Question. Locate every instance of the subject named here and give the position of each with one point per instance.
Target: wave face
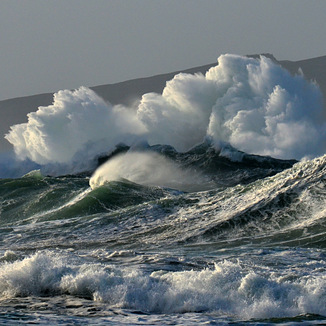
(253, 104)
(163, 218)
(121, 251)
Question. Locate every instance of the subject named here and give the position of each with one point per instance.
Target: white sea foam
(228, 289)
(265, 110)
(253, 104)
(78, 125)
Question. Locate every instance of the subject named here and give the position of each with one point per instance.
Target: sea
(167, 231)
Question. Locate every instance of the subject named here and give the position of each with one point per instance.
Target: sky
(48, 45)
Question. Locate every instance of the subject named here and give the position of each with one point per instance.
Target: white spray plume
(265, 110)
(253, 104)
(180, 116)
(149, 169)
(76, 121)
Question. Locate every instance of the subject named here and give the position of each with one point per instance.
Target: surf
(205, 203)
(252, 104)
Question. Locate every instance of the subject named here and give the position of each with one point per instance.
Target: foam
(265, 110)
(228, 288)
(78, 125)
(180, 115)
(253, 104)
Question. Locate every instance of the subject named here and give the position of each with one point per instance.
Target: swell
(287, 209)
(284, 209)
(68, 196)
(30, 199)
(31, 196)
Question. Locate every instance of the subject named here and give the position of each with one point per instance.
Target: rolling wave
(170, 209)
(286, 208)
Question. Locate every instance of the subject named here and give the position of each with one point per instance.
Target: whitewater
(204, 204)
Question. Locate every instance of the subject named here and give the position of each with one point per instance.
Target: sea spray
(180, 115)
(265, 110)
(78, 125)
(150, 169)
(253, 104)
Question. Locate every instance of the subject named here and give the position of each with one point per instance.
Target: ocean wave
(286, 209)
(35, 198)
(151, 169)
(228, 288)
(253, 104)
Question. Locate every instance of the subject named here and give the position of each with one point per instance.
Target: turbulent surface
(176, 225)
(133, 254)
(253, 104)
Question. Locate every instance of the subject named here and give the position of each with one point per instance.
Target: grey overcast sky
(47, 45)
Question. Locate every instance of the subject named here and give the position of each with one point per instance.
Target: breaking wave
(250, 293)
(253, 104)
(150, 169)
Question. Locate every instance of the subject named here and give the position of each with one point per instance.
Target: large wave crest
(253, 104)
